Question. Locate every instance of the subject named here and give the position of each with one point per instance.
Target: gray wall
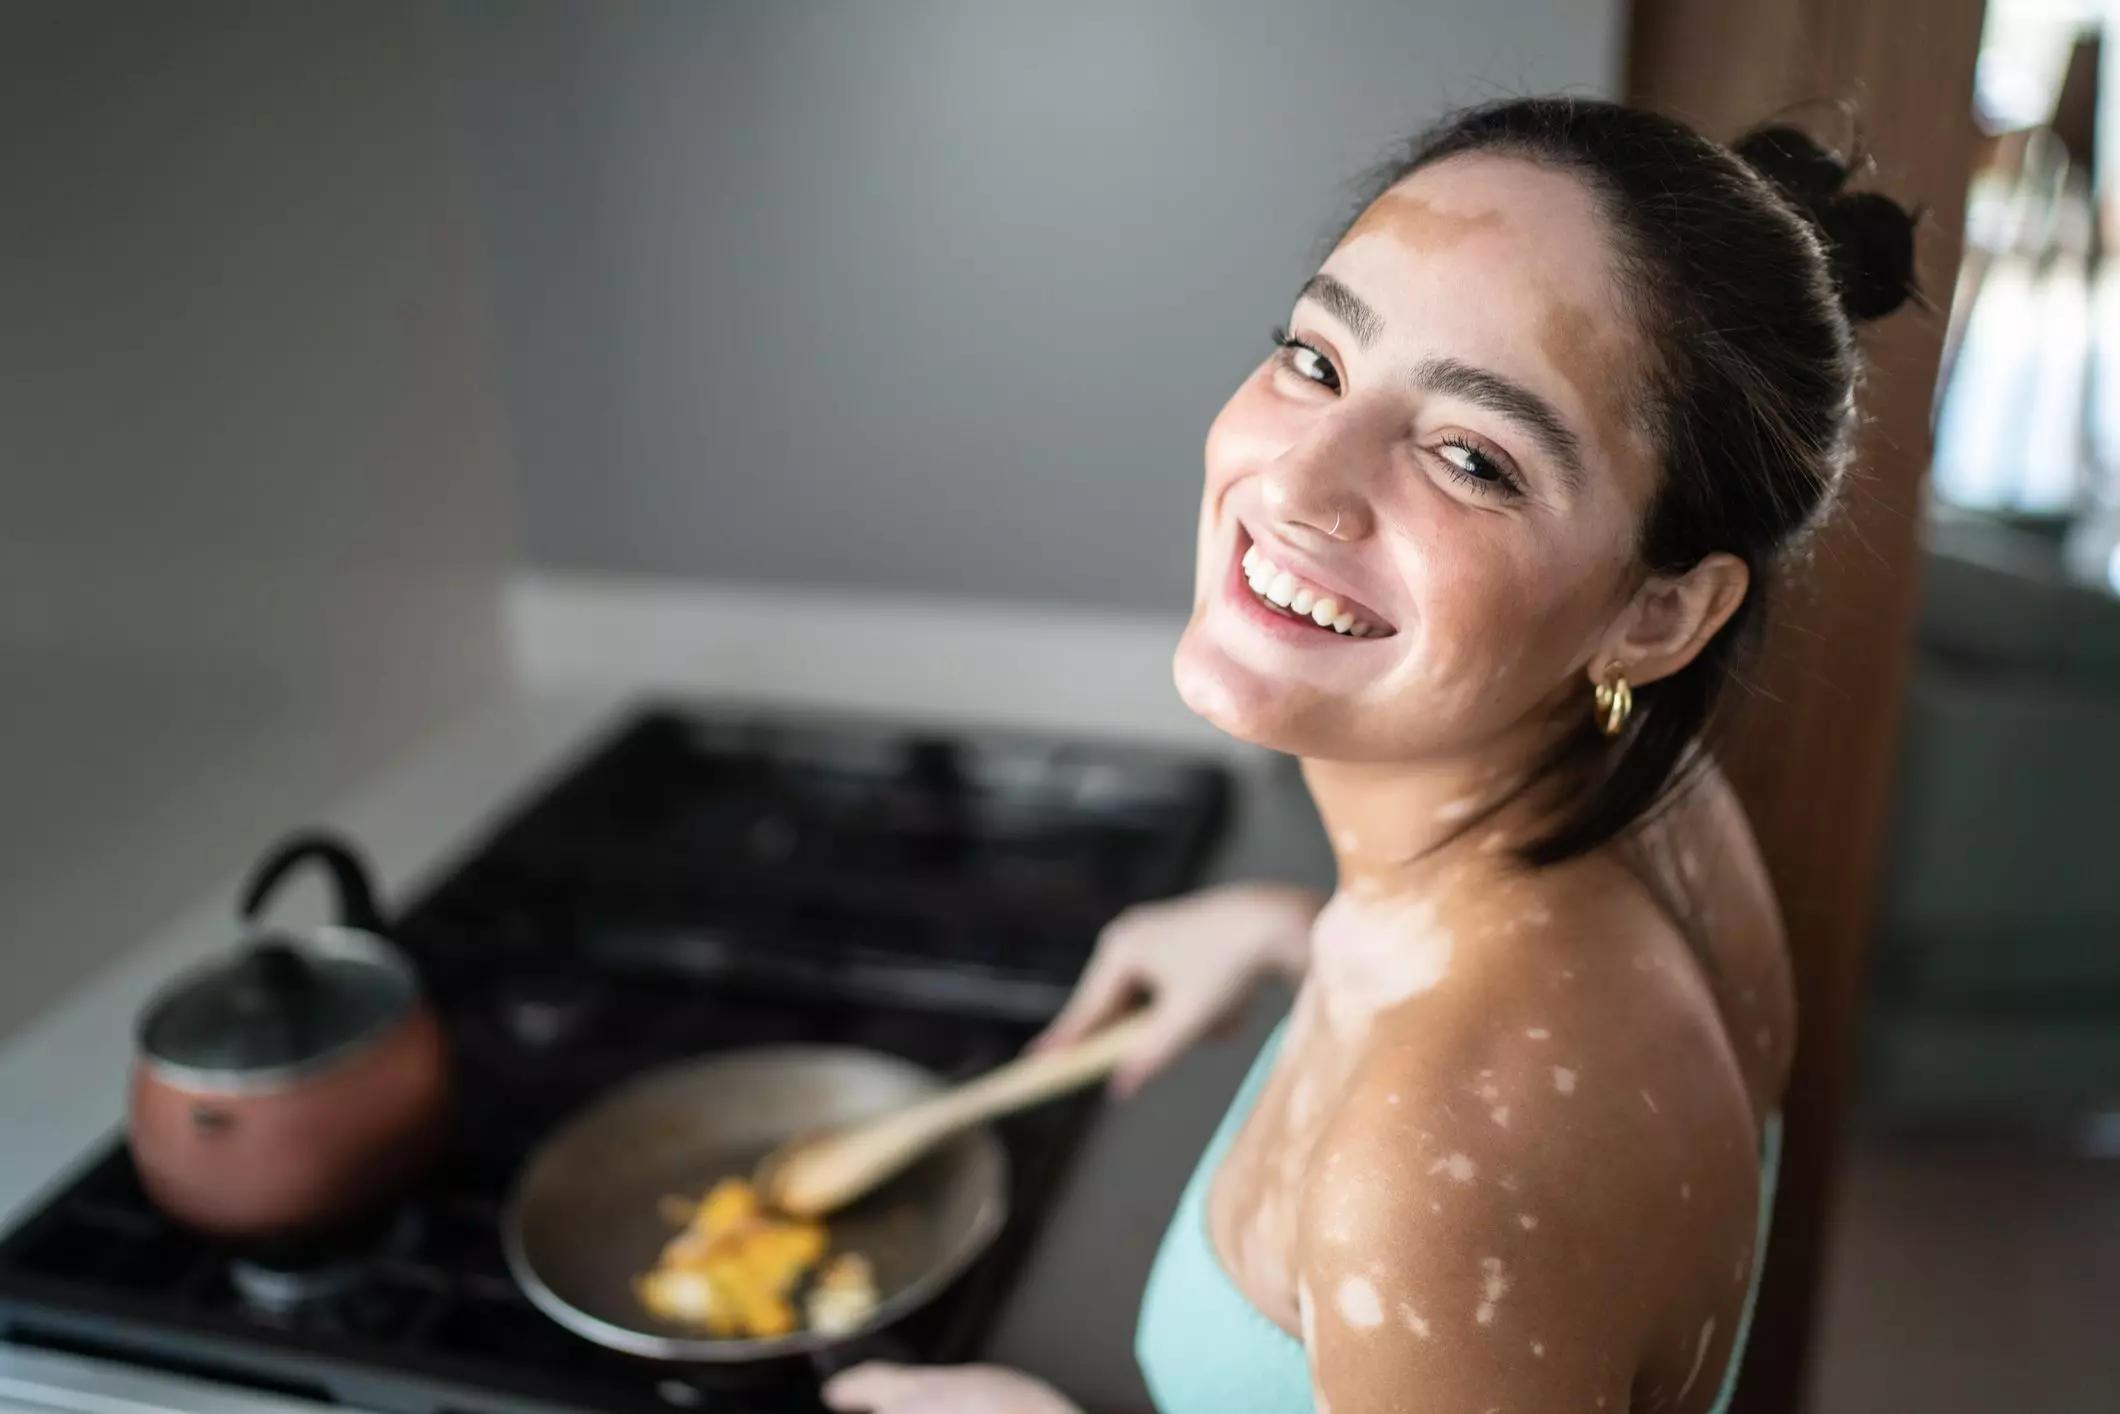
(254, 511)
(933, 295)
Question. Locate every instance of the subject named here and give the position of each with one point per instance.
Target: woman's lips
(1289, 595)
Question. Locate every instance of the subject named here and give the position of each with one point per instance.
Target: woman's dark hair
(1744, 267)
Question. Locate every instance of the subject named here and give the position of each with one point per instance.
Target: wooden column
(1813, 753)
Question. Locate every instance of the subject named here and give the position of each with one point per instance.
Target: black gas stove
(707, 879)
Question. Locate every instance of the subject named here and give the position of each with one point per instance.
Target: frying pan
(585, 1218)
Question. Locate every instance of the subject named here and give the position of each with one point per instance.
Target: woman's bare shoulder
(1534, 1166)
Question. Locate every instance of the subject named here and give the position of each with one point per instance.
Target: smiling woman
(1483, 539)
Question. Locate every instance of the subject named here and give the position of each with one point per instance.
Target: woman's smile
(1284, 595)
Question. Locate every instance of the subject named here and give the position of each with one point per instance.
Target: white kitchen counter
(585, 652)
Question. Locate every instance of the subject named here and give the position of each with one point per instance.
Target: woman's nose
(1306, 497)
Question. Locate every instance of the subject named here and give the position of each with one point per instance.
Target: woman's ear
(1671, 618)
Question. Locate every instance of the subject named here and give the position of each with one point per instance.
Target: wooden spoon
(821, 1173)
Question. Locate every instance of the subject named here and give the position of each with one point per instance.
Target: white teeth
(1283, 589)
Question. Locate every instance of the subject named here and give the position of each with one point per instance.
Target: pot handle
(349, 877)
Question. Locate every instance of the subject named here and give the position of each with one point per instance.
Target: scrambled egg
(844, 1295)
(734, 1269)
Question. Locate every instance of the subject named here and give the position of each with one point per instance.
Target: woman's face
(1447, 450)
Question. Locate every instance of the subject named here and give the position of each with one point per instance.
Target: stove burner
(281, 1291)
(295, 1274)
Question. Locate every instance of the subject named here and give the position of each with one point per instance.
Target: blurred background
(365, 365)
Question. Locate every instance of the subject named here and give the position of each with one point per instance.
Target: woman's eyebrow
(1511, 400)
(1345, 305)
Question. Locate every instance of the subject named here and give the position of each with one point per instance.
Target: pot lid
(278, 1009)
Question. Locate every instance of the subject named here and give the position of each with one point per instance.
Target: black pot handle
(349, 877)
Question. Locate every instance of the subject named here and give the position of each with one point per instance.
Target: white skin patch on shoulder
(1416, 1323)
(1359, 1304)
(1539, 1033)
(1500, 1115)
(1538, 1349)
(1459, 1168)
(1564, 1080)
(1370, 958)
(1307, 1314)
(1392, 1098)
(1527, 1221)
(1494, 1285)
(1348, 841)
(1650, 1100)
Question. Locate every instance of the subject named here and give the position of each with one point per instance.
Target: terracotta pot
(297, 1086)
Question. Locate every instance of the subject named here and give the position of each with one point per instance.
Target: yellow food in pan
(734, 1268)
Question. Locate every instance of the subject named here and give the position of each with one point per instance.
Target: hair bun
(1869, 237)
(1807, 174)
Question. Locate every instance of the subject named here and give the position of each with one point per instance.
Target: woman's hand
(878, 1388)
(1197, 958)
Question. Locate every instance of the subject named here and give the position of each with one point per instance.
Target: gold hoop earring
(1615, 700)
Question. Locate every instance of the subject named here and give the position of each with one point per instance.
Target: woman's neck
(1383, 818)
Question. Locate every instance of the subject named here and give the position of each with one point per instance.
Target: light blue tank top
(1205, 1349)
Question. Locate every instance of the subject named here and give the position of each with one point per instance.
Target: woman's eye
(1473, 466)
(1305, 361)
(1472, 462)
(1311, 364)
